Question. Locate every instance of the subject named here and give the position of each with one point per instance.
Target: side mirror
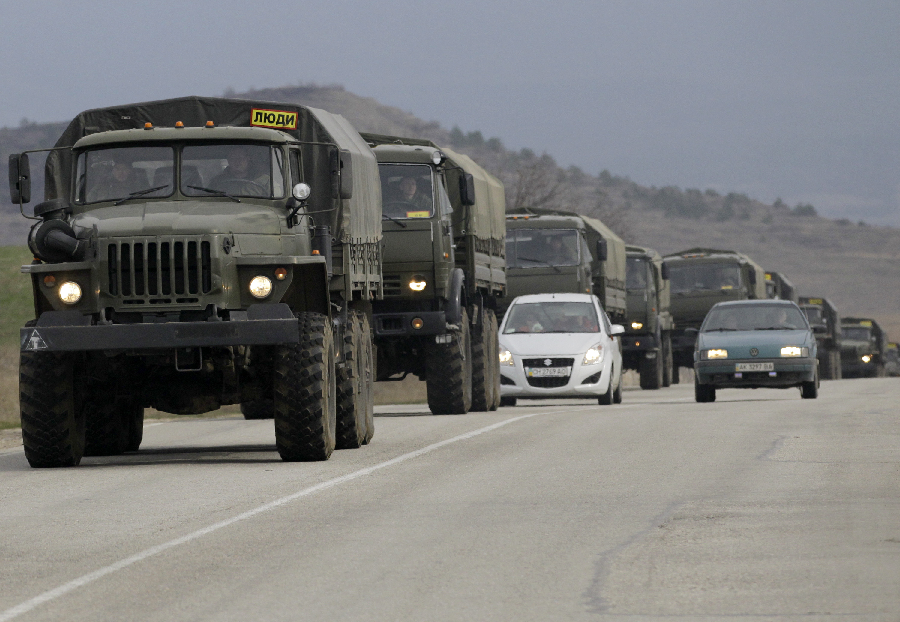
(664, 271)
(616, 329)
(341, 174)
(691, 332)
(19, 178)
(601, 250)
(467, 189)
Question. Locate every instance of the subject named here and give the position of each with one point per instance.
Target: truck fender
(454, 307)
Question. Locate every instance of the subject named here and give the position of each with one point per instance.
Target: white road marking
(83, 580)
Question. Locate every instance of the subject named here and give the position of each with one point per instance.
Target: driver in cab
(409, 193)
(242, 171)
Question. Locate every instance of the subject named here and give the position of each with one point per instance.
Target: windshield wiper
(538, 261)
(775, 328)
(220, 193)
(139, 193)
(391, 218)
(715, 330)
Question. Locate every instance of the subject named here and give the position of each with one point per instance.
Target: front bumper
(64, 332)
(786, 373)
(400, 324)
(589, 381)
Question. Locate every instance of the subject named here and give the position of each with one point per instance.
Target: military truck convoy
(444, 273)
(197, 252)
(558, 251)
(647, 342)
(826, 324)
(700, 278)
(863, 348)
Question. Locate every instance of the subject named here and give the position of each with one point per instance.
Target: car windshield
(123, 172)
(856, 333)
(687, 276)
(637, 273)
(406, 191)
(533, 248)
(552, 317)
(754, 317)
(237, 170)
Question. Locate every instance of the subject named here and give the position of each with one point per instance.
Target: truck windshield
(552, 317)
(122, 172)
(232, 169)
(691, 277)
(856, 333)
(637, 275)
(534, 248)
(406, 191)
(814, 315)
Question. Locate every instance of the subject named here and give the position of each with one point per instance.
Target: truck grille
(391, 284)
(160, 272)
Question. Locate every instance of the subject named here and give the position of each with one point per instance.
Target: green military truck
(647, 342)
(780, 288)
(444, 273)
(551, 251)
(863, 347)
(197, 252)
(825, 321)
(700, 278)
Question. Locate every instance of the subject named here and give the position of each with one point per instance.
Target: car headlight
(506, 358)
(417, 283)
(637, 325)
(794, 351)
(715, 353)
(593, 356)
(865, 359)
(69, 292)
(260, 286)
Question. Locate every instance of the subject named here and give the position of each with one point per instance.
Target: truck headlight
(69, 292)
(794, 351)
(506, 358)
(715, 353)
(637, 325)
(260, 286)
(417, 283)
(865, 359)
(593, 356)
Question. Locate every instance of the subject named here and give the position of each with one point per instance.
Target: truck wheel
(836, 365)
(305, 392)
(134, 415)
(261, 361)
(667, 360)
(704, 392)
(507, 401)
(367, 387)
(483, 369)
(52, 417)
(495, 357)
(258, 409)
(449, 373)
(107, 427)
(351, 415)
(676, 374)
(651, 372)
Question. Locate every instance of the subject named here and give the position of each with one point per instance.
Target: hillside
(854, 264)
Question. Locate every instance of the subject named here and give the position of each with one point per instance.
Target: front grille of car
(551, 382)
(161, 271)
(561, 362)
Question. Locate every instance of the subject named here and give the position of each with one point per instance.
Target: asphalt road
(758, 506)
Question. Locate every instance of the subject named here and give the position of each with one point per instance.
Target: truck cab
(825, 322)
(863, 345)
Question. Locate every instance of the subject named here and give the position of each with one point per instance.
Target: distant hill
(853, 264)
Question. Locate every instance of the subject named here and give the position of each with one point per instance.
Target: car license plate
(754, 367)
(547, 372)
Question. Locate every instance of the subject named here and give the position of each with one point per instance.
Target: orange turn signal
(280, 274)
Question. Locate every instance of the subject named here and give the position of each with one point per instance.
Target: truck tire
(351, 415)
(495, 356)
(704, 392)
(134, 415)
(484, 369)
(836, 365)
(825, 367)
(508, 401)
(305, 392)
(107, 428)
(261, 361)
(52, 417)
(449, 373)
(368, 375)
(667, 360)
(651, 371)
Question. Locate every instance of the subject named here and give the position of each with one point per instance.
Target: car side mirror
(19, 178)
(616, 329)
(467, 189)
(601, 250)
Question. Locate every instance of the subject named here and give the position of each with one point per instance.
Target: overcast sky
(798, 99)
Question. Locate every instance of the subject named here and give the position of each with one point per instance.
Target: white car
(559, 345)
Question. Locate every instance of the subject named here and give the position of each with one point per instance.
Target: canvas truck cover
(318, 131)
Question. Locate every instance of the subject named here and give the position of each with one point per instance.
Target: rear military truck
(825, 321)
(892, 360)
(198, 252)
(647, 342)
(700, 278)
(555, 251)
(778, 287)
(444, 273)
(863, 347)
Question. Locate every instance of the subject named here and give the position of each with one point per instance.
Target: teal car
(752, 344)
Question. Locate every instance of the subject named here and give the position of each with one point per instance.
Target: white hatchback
(559, 345)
